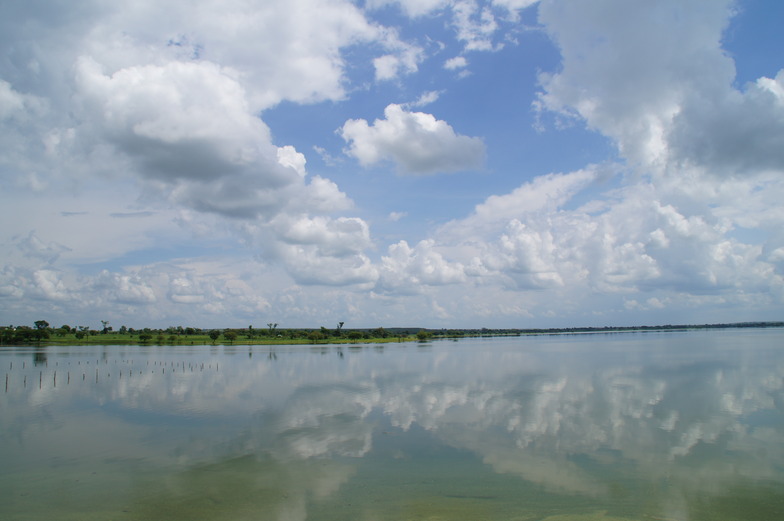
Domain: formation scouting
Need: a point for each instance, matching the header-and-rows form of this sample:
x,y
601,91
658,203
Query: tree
x,y
315,336
214,334
423,335
41,324
105,324
231,336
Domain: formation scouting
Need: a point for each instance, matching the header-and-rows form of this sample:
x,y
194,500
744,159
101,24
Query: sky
x,y
411,163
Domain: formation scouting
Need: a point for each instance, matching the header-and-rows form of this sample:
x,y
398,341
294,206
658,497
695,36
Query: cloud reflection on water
x,y
571,416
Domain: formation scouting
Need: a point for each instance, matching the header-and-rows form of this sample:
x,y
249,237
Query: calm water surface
x,y
654,426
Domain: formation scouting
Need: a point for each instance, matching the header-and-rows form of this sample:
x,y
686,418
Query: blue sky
x,y
441,163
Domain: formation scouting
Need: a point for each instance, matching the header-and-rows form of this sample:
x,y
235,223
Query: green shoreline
x,y
48,336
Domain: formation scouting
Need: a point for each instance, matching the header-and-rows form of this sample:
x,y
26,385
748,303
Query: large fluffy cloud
x,y
732,132
417,142
284,50
188,126
410,270
654,77
628,66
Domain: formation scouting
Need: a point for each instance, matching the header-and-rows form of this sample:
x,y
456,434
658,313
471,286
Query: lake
x,y
631,426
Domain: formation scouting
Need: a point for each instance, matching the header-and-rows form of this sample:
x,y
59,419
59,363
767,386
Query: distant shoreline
x,y
47,336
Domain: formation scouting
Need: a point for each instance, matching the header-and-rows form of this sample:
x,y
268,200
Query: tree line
x,y
42,332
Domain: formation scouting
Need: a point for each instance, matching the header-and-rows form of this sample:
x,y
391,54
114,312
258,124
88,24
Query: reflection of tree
x,y
39,356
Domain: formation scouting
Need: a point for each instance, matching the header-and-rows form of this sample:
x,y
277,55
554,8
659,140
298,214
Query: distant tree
x,y
41,324
123,330
355,335
145,337
81,334
315,336
105,324
339,329
231,336
423,335
214,334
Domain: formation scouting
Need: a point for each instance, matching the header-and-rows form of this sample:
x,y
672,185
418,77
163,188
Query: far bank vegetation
x,y
43,333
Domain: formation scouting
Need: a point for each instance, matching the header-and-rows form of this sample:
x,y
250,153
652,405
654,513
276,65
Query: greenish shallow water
x,y
654,426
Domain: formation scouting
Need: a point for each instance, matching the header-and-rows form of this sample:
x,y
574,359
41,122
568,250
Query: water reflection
x,y
631,425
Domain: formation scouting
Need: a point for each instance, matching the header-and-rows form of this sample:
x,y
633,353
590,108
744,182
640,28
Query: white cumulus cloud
x,y
417,142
